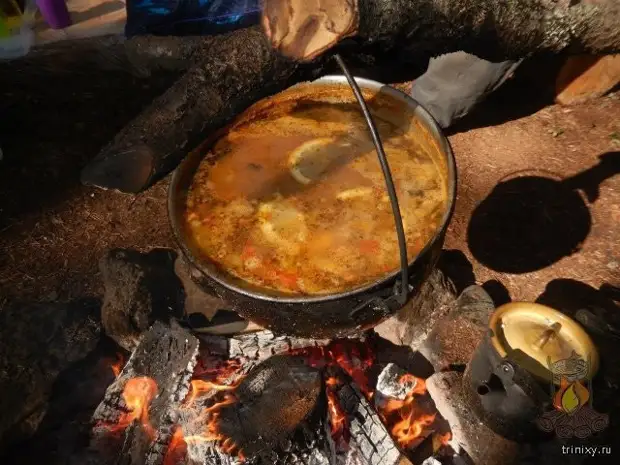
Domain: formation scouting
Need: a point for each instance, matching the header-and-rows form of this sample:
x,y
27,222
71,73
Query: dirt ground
x,y
538,208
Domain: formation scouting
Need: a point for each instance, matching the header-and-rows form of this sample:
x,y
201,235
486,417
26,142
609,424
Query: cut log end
x,y
303,29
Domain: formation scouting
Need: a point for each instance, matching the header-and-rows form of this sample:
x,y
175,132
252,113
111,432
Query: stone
x,y
481,444
140,288
454,338
38,342
412,324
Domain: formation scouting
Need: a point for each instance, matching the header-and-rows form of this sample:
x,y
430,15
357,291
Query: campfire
x,y
325,402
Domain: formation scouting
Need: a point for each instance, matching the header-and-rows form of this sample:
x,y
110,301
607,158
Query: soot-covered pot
x,y
338,314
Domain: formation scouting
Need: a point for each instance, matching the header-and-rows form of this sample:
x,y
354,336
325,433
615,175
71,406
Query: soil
x,y
524,233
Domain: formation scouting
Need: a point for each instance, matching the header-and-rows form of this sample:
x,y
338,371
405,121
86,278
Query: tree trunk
x,y
491,30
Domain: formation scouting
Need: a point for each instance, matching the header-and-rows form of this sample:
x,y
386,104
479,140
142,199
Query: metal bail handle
x,y
399,294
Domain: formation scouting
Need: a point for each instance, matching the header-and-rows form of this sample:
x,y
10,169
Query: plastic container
x,y
55,13
16,35
189,17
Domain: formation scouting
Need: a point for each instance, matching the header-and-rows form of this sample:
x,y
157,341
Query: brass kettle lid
x,y
543,341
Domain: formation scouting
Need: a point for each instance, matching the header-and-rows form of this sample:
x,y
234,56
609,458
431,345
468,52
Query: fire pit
x,y
331,402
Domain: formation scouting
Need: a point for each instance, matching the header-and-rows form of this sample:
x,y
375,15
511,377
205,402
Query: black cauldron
x,y
326,316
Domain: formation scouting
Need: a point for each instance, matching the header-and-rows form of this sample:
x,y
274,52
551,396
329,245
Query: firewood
x,y
257,346
167,356
370,442
235,71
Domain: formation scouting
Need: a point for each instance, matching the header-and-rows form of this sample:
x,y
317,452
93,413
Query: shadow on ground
x,y
58,109
530,222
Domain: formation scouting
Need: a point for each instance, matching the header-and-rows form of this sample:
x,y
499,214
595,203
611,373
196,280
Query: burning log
x,y
274,415
257,346
139,289
370,442
140,405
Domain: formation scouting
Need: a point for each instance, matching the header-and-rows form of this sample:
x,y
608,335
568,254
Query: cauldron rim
x,y
225,279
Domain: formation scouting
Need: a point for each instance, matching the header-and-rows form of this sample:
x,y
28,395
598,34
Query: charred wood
x,y
257,346
370,442
167,356
271,402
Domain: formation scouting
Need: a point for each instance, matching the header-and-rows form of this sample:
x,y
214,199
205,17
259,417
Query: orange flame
x,y
177,449
408,423
137,394
117,365
200,387
337,416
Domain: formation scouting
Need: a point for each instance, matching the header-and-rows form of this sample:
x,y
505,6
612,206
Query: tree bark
x,y
233,71
491,30
228,73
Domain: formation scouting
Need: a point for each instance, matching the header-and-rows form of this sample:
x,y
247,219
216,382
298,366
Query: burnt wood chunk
x,y
271,402
140,288
37,343
167,356
370,442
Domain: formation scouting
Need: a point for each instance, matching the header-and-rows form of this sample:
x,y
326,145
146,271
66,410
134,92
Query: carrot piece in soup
x,y
369,246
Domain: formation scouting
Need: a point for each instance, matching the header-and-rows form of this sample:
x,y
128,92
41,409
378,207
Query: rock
x,y
414,322
454,338
483,445
37,343
197,300
587,77
389,384
140,288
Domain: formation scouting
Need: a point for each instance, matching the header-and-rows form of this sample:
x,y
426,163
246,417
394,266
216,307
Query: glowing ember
x,y
137,394
117,365
177,449
199,387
